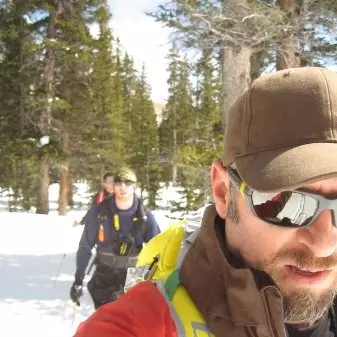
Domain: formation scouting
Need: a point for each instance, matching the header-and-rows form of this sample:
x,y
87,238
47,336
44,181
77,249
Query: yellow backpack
x,y
160,261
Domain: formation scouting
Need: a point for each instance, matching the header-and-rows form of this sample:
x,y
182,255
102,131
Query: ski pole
x,y
92,265
73,318
59,268
74,315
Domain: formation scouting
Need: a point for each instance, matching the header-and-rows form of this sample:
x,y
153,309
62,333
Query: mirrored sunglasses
x,y
125,182
292,209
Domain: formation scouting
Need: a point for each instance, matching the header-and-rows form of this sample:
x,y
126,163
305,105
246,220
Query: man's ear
x,y
220,188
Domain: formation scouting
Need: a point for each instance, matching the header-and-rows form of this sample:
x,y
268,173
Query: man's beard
x,y
302,305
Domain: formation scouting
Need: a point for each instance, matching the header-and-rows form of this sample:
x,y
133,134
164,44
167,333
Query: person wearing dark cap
x,y
244,274
118,227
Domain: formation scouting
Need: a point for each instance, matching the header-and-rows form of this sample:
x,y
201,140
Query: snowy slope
x,y
37,264
32,250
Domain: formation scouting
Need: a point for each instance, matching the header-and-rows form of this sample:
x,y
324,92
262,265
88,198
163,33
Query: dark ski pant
x,y
106,284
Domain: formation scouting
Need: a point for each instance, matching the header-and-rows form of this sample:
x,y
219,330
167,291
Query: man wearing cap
x,y
247,274
118,227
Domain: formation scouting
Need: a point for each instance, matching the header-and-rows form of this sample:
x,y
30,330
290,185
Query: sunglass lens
x,y
287,209
125,182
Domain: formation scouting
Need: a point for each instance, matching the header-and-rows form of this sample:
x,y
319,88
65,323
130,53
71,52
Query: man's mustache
x,y
304,260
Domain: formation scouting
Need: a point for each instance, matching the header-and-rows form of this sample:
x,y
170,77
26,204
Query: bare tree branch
x,y
241,23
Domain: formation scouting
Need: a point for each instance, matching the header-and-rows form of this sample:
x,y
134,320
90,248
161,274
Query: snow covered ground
x,y
33,300
37,264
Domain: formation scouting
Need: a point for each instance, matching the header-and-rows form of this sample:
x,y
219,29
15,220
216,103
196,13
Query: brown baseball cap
x,y
282,132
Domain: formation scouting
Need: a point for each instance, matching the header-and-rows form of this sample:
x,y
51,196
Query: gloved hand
x,y
76,292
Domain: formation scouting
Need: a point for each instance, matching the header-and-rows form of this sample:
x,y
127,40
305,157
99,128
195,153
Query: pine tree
x,y
294,32
129,80
18,73
119,106
167,131
177,125
144,134
186,116
72,101
102,147
196,156
76,90
208,116
235,27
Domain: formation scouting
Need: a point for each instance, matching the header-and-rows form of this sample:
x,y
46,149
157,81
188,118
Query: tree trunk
x,y
174,166
43,197
236,72
22,86
64,176
70,189
64,190
256,62
46,114
49,77
288,54
175,144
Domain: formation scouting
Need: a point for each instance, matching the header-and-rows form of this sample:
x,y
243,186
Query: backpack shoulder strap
x,y
103,210
173,280
186,316
187,243
141,217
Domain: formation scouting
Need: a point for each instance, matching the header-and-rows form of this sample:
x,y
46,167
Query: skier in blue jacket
x,y
118,227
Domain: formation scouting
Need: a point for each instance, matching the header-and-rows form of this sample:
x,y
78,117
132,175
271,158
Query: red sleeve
x,y
141,312
100,197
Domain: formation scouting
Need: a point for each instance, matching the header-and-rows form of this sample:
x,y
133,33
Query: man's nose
x,y
321,236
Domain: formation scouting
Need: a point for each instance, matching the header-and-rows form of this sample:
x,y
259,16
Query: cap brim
x,y
288,168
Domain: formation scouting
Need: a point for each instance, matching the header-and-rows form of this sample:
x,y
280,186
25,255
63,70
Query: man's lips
x,y
309,276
